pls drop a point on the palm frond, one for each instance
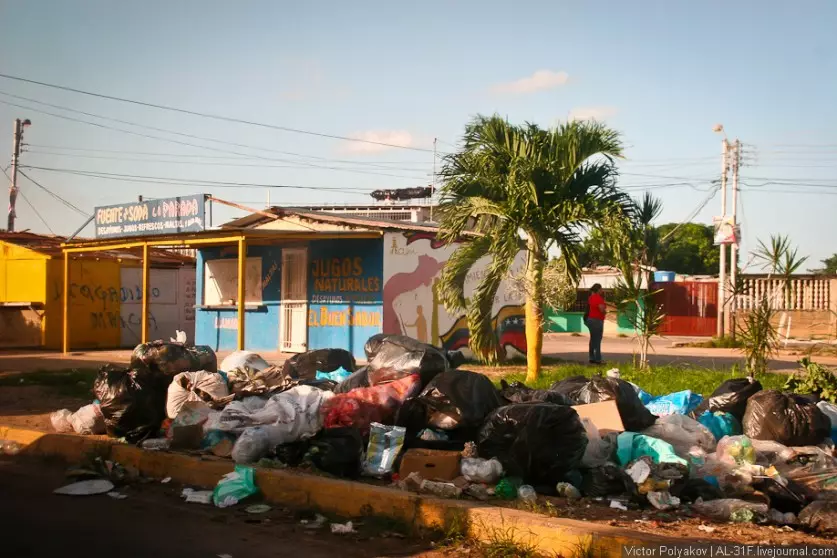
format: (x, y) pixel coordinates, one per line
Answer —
(451, 288)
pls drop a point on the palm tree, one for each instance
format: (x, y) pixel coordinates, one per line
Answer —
(523, 188)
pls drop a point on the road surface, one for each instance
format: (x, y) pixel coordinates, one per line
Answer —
(154, 522)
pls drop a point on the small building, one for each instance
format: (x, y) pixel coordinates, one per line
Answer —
(316, 279)
(105, 294)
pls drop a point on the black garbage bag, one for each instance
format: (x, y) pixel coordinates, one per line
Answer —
(358, 379)
(173, 358)
(786, 496)
(695, 488)
(453, 400)
(293, 453)
(786, 418)
(337, 451)
(455, 358)
(539, 442)
(306, 365)
(133, 402)
(608, 479)
(730, 397)
(821, 516)
(392, 357)
(518, 392)
(581, 390)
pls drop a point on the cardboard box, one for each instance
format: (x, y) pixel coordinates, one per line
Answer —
(604, 415)
(430, 464)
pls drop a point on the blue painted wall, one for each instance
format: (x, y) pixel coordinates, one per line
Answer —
(345, 286)
(218, 328)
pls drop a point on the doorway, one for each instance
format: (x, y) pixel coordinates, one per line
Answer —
(293, 326)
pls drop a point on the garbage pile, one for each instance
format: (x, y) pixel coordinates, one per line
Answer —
(412, 416)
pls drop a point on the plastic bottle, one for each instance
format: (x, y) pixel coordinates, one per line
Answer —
(527, 493)
(506, 489)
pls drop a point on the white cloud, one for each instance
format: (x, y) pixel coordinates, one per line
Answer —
(401, 138)
(539, 81)
(592, 113)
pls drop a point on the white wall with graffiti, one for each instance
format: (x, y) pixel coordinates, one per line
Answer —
(413, 263)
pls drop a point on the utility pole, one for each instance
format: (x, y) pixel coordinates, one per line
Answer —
(736, 163)
(433, 187)
(722, 278)
(18, 139)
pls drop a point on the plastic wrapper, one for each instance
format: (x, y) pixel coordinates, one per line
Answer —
(392, 357)
(295, 413)
(737, 450)
(246, 380)
(174, 358)
(337, 376)
(581, 390)
(358, 379)
(238, 359)
(679, 403)
(785, 495)
(730, 397)
(487, 471)
(725, 508)
(234, 487)
(683, 433)
(632, 446)
(337, 451)
(206, 387)
(600, 450)
(820, 516)
(811, 468)
(87, 420)
(132, 402)
(518, 392)
(255, 442)
(830, 410)
(539, 442)
(720, 424)
(361, 407)
(785, 418)
(385, 444)
(607, 479)
(60, 420)
(305, 366)
(453, 400)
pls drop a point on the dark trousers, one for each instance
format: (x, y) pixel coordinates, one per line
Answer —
(596, 328)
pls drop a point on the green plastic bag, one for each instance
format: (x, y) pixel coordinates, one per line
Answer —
(631, 446)
(234, 487)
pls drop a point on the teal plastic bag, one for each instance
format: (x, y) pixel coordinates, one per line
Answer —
(337, 376)
(720, 424)
(631, 446)
(234, 487)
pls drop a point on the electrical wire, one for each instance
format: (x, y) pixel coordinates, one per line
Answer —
(210, 115)
(32, 207)
(694, 213)
(54, 195)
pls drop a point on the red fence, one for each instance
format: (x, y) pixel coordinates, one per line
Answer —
(691, 308)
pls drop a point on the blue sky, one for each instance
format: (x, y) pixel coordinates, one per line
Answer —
(663, 73)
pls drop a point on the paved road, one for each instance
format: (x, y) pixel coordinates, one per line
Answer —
(153, 522)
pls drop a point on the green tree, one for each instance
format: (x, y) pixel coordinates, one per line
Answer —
(523, 187)
(688, 248)
(829, 266)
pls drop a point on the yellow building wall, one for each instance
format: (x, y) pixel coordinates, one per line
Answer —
(94, 320)
(22, 274)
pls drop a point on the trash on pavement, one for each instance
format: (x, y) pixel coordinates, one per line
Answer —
(507, 488)
(679, 402)
(731, 397)
(339, 375)
(9, 447)
(343, 528)
(639, 471)
(476, 469)
(527, 493)
(207, 387)
(617, 505)
(363, 406)
(582, 390)
(197, 496)
(86, 421)
(392, 357)
(155, 444)
(604, 416)
(337, 451)
(663, 500)
(567, 491)
(257, 508)
(305, 366)
(85, 488)
(786, 418)
(821, 516)
(234, 487)
(117, 495)
(726, 509)
(431, 464)
(385, 443)
(132, 402)
(316, 523)
(720, 423)
(683, 433)
(166, 480)
(830, 410)
(238, 359)
(173, 358)
(517, 392)
(416, 483)
(358, 379)
(631, 446)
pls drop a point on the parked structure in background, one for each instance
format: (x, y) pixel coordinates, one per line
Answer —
(105, 294)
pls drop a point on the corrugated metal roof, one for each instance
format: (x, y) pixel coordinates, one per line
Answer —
(349, 221)
(50, 245)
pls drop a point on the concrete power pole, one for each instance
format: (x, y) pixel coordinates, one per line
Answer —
(722, 278)
(18, 139)
(736, 163)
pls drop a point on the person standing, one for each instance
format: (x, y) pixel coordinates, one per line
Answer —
(594, 320)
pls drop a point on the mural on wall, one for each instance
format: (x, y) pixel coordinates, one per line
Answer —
(413, 263)
(344, 293)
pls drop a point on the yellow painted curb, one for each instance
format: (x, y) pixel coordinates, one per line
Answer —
(562, 537)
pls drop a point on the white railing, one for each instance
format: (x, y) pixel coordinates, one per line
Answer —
(798, 294)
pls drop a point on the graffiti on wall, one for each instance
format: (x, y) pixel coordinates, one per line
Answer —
(412, 268)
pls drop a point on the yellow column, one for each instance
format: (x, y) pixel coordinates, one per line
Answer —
(242, 260)
(65, 327)
(146, 294)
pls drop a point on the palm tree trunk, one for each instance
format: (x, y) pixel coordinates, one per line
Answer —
(534, 313)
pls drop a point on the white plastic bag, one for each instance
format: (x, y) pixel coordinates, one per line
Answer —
(88, 420)
(599, 450)
(486, 471)
(244, 358)
(61, 420)
(194, 386)
(683, 433)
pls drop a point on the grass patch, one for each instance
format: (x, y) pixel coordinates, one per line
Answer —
(72, 382)
(716, 343)
(658, 381)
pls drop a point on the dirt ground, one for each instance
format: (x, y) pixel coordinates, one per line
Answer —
(30, 406)
(154, 521)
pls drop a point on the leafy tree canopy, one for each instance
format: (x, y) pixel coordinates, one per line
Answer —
(830, 266)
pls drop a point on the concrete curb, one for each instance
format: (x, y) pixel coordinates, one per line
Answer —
(561, 537)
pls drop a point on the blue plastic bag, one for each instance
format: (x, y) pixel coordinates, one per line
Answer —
(720, 424)
(631, 446)
(677, 403)
(337, 376)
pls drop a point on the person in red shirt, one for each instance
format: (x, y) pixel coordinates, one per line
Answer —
(594, 320)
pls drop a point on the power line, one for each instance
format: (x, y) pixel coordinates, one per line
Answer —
(54, 195)
(694, 213)
(212, 116)
(32, 207)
